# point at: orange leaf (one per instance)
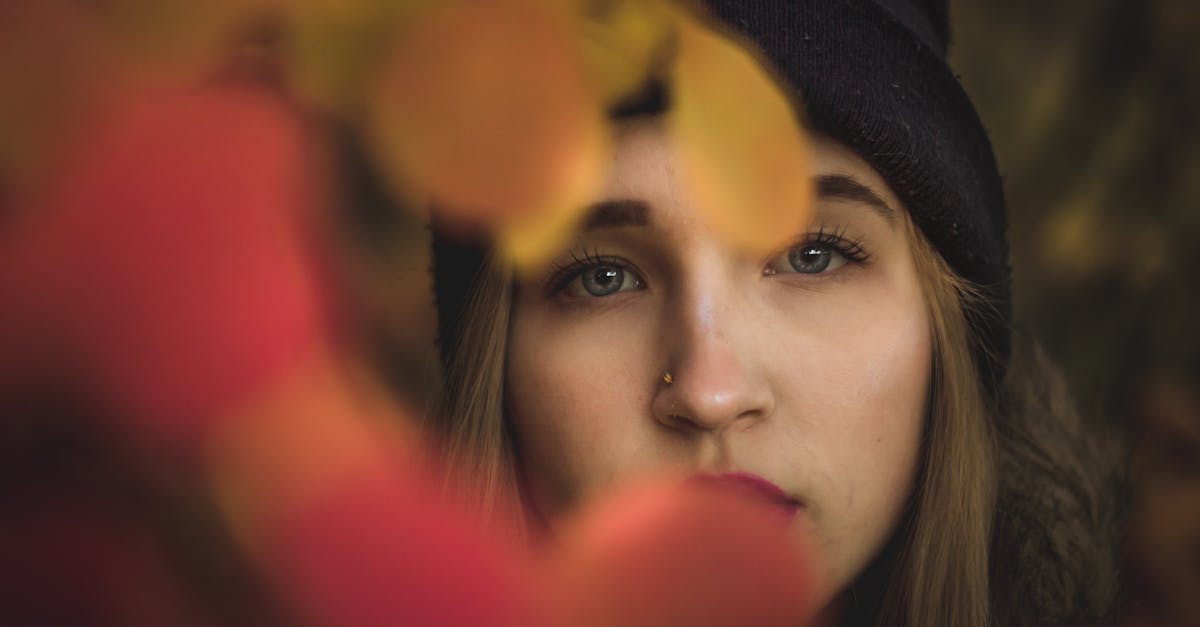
(484, 110)
(300, 438)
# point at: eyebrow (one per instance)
(616, 213)
(843, 187)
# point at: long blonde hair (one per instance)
(935, 571)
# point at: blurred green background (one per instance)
(1092, 109)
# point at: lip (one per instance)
(755, 485)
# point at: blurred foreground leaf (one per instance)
(743, 154)
(169, 265)
(624, 43)
(484, 111)
(665, 554)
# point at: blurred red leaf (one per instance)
(382, 551)
(665, 555)
(323, 486)
(169, 263)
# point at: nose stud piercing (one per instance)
(667, 378)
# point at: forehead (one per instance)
(645, 168)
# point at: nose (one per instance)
(715, 381)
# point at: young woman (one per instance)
(863, 375)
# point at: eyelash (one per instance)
(562, 273)
(837, 239)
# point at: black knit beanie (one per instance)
(872, 74)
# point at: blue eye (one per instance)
(821, 253)
(599, 278)
(814, 259)
(807, 259)
(602, 280)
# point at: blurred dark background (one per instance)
(1092, 107)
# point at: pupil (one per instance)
(604, 280)
(810, 259)
(604, 276)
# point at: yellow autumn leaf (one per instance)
(530, 241)
(624, 43)
(742, 152)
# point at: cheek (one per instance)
(884, 364)
(577, 397)
(856, 384)
(888, 402)
(868, 406)
(859, 370)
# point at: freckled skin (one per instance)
(816, 382)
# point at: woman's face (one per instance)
(808, 368)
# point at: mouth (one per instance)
(755, 486)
